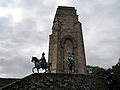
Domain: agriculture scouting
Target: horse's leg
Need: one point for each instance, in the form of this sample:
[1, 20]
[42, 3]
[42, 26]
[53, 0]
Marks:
[33, 69]
[45, 70]
[72, 69]
[49, 70]
[37, 70]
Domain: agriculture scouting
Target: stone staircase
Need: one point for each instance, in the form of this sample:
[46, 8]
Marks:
[58, 81]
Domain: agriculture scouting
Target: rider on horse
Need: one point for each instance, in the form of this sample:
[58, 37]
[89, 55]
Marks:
[43, 60]
[41, 63]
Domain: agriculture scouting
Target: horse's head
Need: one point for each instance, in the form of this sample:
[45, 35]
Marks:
[34, 59]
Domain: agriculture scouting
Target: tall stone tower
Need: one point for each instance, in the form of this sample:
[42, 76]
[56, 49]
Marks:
[66, 39]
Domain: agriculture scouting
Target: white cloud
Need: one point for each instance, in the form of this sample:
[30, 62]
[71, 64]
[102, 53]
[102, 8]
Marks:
[15, 13]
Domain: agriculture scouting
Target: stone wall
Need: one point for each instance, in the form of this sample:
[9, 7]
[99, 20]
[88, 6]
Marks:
[6, 81]
[58, 81]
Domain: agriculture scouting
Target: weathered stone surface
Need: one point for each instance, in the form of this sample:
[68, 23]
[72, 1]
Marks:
[66, 38]
[6, 81]
[58, 81]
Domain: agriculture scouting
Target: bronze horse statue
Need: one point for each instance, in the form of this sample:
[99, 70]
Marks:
[40, 64]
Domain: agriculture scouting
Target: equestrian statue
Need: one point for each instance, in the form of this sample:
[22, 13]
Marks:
[41, 64]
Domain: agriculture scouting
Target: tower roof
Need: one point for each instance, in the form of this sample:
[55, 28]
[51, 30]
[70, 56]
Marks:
[61, 10]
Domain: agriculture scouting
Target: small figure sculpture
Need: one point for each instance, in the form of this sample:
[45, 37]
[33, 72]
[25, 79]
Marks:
[71, 64]
[43, 60]
[41, 63]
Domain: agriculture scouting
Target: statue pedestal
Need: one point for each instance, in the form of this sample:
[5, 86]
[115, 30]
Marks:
[58, 81]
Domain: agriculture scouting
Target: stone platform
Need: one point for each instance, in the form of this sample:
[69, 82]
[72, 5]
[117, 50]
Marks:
[58, 81]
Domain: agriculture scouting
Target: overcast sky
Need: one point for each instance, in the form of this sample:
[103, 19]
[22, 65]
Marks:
[25, 26]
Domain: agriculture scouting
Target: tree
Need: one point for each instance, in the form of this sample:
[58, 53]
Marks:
[115, 79]
[96, 70]
[112, 75]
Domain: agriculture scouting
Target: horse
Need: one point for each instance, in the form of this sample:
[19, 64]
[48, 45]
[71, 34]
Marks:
[38, 65]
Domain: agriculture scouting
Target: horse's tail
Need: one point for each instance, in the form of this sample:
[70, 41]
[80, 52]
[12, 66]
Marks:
[50, 64]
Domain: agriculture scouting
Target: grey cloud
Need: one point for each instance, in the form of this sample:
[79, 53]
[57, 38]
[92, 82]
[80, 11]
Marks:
[101, 30]
[17, 67]
[20, 40]
[8, 3]
[5, 26]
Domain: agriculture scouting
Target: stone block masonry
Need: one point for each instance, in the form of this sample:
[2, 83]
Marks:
[66, 39]
[58, 81]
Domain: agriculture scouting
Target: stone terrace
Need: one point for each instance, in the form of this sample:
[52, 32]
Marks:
[58, 81]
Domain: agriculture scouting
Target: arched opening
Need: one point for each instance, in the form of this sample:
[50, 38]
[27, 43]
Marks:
[68, 50]
[68, 47]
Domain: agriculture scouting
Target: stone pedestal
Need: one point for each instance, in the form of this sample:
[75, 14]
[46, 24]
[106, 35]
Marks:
[58, 81]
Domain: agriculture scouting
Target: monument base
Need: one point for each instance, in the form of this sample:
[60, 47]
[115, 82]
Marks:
[58, 81]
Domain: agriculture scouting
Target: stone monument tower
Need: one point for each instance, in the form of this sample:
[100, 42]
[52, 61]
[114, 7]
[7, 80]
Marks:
[66, 39]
